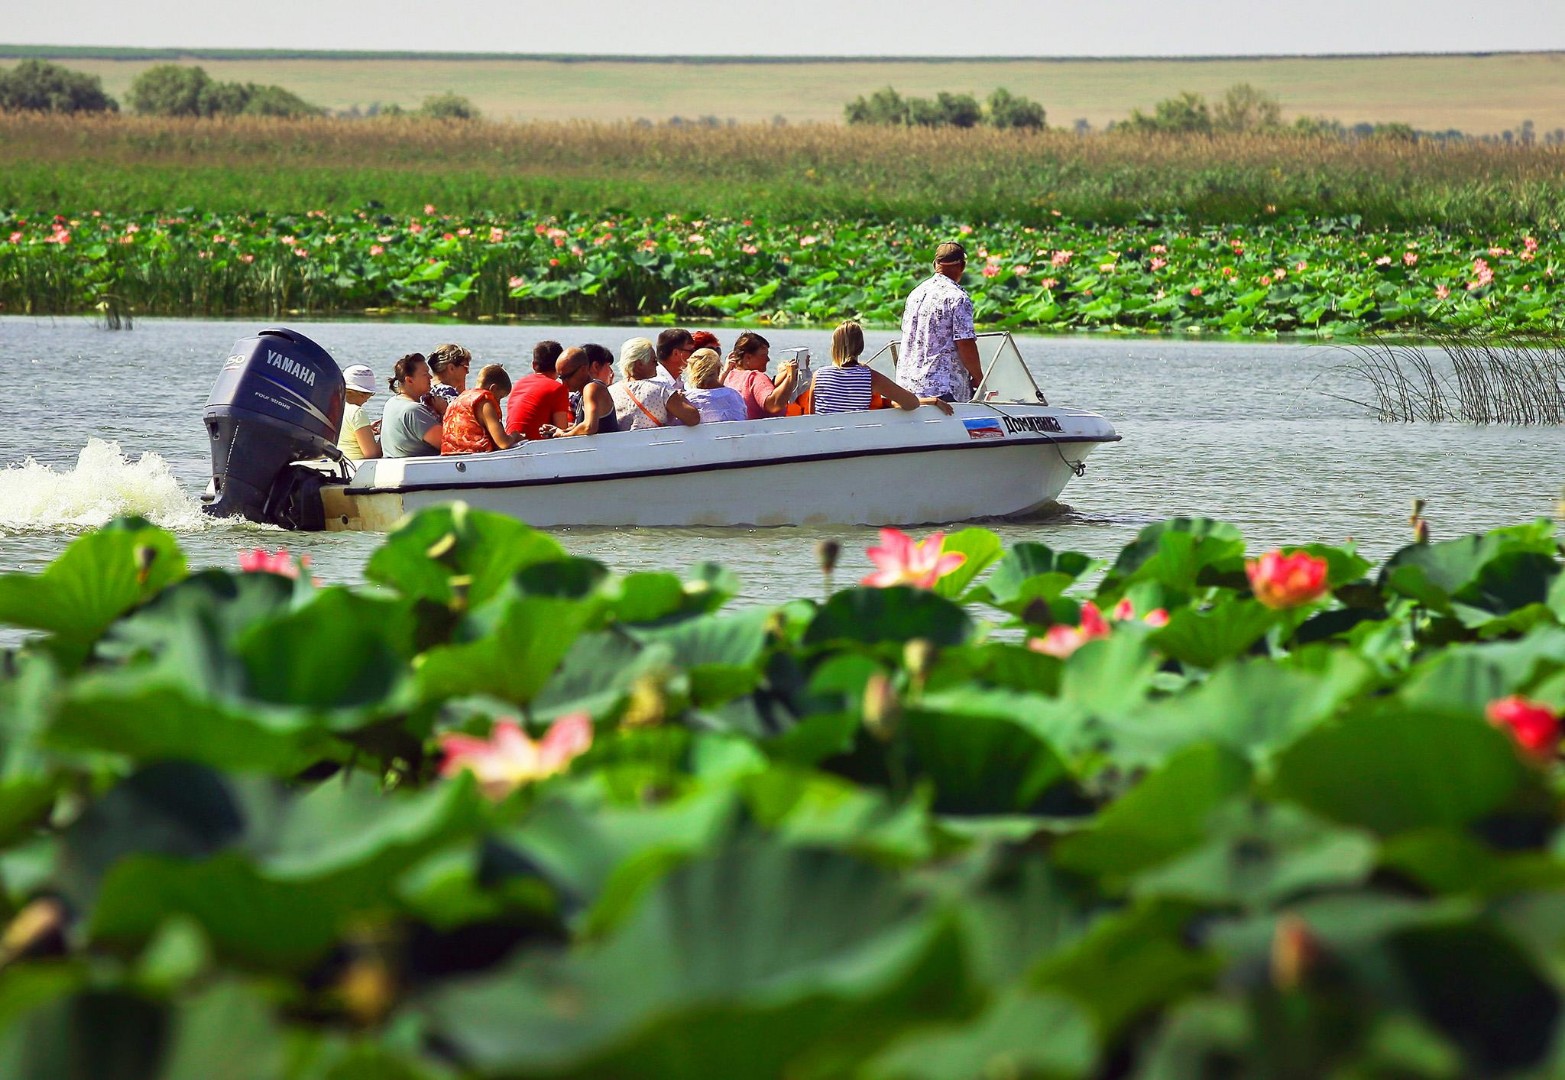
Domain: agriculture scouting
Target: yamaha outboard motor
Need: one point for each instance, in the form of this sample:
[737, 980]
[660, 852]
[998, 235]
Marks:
[278, 400]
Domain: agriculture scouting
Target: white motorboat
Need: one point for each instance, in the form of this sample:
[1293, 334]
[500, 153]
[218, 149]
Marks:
[1008, 453]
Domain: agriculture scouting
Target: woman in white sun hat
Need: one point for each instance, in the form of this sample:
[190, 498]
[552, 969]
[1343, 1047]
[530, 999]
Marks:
[357, 440]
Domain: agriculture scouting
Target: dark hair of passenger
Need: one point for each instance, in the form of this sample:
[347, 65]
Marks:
[448, 355]
[493, 378]
[598, 354]
[672, 339]
[545, 353]
[403, 369]
[748, 343]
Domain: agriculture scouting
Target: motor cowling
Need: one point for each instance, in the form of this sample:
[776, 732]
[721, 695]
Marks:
[279, 399]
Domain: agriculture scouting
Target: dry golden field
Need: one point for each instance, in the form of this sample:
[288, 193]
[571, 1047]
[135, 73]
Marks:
[1477, 94]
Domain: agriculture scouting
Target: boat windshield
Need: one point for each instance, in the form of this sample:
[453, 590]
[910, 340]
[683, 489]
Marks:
[1006, 377]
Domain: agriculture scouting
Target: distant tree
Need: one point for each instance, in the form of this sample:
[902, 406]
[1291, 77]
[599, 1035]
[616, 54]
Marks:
[448, 107]
[1319, 127]
[959, 110]
[1083, 126]
[1396, 132]
[1529, 133]
[170, 90]
[884, 106]
[275, 101]
[1007, 110]
[39, 86]
[1186, 114]
[1243, 108]
[176, 90]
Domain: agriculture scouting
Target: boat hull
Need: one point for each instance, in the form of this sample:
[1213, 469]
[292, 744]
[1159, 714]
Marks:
[878, 468]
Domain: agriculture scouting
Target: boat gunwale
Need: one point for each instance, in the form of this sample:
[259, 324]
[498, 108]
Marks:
[1032, 439]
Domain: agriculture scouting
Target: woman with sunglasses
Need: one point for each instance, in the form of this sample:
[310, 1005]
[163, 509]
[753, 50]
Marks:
[448, 364]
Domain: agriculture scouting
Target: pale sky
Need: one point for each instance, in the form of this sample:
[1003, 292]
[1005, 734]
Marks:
[805, 27]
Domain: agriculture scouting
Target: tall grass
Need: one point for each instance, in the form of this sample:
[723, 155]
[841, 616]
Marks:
[135, 164]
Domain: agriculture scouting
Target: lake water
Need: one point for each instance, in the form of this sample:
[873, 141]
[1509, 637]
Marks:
[102, 423]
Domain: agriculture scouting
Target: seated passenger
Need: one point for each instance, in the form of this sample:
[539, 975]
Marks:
[746, 373]
[472, 422]
[848, 386]
[357, 439]
[673, 352]
[538, 399]
[705, 339]
[448, 364]
[705, 389]
[579, 371]
[640, 400]
[409, 428]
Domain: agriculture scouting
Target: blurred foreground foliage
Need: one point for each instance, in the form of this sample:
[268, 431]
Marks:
[875, 835]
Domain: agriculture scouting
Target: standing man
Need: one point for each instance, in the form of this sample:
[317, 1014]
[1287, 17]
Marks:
[939, 347]
[673, 352]
[539, 398]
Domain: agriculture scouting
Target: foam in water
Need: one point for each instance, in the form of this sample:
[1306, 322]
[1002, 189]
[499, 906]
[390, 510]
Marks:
[104, 485]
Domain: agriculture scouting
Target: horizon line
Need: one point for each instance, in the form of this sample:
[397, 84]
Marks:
[113, 52]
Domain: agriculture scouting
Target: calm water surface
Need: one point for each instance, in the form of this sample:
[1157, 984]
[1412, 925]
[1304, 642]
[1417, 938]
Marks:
[102, 423]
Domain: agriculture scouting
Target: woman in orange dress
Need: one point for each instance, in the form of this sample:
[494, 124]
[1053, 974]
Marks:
[472, 421]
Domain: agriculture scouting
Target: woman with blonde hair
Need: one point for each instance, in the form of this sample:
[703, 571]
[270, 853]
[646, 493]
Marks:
[705, 390]
[849, 386]
[448, 363]
[641, 400]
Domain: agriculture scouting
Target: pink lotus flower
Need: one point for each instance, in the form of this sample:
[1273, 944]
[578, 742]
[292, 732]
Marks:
[1159, 249]
[749, 249]
[1061, 640]
[1049, 283]
[1442, 292]
[1530, 243]
[1158, 264]
[247, 258]
[429, 208]
[1125, 611]
[415, 228]
[1061, 258]
[1482, 275]
[1384, 260]
[517, 282]
[261, 561]
[1229, 271]
[1301, 266]
[1285, 581]
[1266, 280]
[1021, 269]
[287, 241]
[1195, 290]
[16, 237]
[376, 249]
[1533, 725]
[508, 759]
[464, 231]
[965, 230]
[496, 234]
[991, 270]
[903, 561]
[1410, 258]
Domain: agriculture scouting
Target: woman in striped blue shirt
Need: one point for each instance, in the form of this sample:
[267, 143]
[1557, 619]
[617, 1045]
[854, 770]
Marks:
[849, 386]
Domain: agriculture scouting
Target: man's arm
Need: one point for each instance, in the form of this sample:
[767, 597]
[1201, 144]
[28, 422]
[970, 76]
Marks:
[967, 352]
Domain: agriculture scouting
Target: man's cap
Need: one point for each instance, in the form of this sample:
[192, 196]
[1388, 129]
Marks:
[950, 252]
[359, 377]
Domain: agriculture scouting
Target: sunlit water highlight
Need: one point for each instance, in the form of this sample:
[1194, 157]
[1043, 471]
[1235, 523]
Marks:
[106, 423]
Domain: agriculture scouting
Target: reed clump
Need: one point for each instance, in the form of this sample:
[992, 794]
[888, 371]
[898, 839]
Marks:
[1464, 376]
[132, 164]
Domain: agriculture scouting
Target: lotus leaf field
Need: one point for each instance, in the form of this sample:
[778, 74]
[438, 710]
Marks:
[1291, 275]
[502, 813]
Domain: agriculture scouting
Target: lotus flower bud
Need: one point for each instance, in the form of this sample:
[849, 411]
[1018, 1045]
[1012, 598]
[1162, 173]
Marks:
[1418, 512]
[1295, 952]
[1532, 724]
[648, 705]
[146, 555]
[918, 656]
[882, 707]
[1421, 531]
[827, 552]
[1285, 581]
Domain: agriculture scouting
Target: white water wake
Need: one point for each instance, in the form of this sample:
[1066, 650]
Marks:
[104, 485]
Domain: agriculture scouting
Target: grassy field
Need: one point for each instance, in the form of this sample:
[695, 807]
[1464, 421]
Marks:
[797, 173]
[1477, 94]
